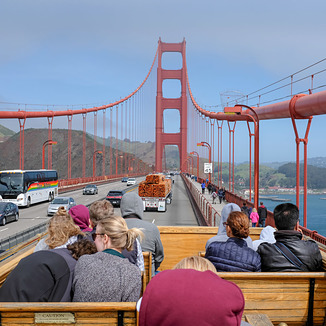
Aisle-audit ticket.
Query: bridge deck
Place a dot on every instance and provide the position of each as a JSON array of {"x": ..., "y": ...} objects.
[{"x": 179, "y": 212}]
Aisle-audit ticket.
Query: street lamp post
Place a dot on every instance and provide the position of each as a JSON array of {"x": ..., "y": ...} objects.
[
  {"x": 237, "y": 109},
  {"x": 94, "y": 163},
  {"x": 129, "y": 167},
  {"x": 192, "y": 164},
  {"x": 195, "y": 153},
  {"x": 205, "y": 144},
  {"x": 46, "y": 143}
]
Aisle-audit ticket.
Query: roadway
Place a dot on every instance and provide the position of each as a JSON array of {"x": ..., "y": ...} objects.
[{"x": 179, "y": 212}]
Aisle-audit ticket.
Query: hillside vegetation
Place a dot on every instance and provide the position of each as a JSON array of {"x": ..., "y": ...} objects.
[
  {"x": 273, "y": 174},
  {"x": 284, "y": 176},
  {"x": 34, "y": 139},
  {"x": 5, "y": 133}
]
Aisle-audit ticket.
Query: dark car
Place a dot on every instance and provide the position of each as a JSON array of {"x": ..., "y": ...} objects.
[
  {"x": 124, "y": 179},
  {"x": 8, "y": 212},
  {"x": 90, "y": 190},
  {"x": 114, "y": 197}
]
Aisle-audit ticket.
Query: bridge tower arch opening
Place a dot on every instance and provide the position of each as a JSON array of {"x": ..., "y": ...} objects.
[{"x": 163, "y": 103}]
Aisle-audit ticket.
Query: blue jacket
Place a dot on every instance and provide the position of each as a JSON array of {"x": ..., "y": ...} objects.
[{"x": 233, "y": 256}]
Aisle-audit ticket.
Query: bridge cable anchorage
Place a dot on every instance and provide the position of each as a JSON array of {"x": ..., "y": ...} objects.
[{"x": 298, "y": 140}]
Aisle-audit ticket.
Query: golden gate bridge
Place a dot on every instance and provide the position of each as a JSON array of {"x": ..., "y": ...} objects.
[{"x": 298, "y": 97}]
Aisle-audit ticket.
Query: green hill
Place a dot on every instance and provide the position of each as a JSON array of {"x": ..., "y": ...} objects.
[{"x": 5, "y": 133}]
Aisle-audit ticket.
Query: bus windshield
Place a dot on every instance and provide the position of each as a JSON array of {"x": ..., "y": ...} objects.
[{"x": 11, "y": 183}]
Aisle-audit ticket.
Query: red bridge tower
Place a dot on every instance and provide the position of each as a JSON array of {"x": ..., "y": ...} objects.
[{"x": 180, "y": 138}]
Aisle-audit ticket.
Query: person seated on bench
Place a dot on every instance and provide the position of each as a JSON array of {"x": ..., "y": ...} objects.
[
  {"x": 234, "y": 255},
  {"x": 195, "y": 262},
  {"x": 107, "y": 276},
  {"x": 221, "y": 233},
  {"x": 132, "y": 211},
  {"x": 266, "y": 235},
  {"x": 289, "y": 253},
  {"x": 80, "y": 215},
  {"x": 189, "y": 297},
  {"x": 102, "y": 209},
  {"x": 62, "y": 231},
  {"x": 45, "y": 275}
]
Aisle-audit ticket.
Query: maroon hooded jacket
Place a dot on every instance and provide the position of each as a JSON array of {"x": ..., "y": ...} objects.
[
  {"x": 80, "y": 215},
  {"x": 186, "y": 297}
]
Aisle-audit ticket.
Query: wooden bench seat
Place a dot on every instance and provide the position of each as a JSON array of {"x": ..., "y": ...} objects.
[
  {"x": 258, "y": 320},
  {"x": 66, "y": 313},
  {"x": 294, "y": 298}
]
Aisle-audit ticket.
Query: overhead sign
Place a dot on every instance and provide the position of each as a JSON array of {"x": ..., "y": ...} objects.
[{"x": 208, "y": 168}]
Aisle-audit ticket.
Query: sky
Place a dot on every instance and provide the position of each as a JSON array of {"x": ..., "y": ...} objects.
[{"x": 82, "y": 53}]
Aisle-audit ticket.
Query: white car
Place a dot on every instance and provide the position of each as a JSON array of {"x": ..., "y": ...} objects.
[
  {"x": 66, "y": 202},
  {"x": 131, "y": 181}
]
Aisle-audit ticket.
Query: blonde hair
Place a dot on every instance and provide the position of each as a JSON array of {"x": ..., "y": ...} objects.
[
  {"x": 254, "y": 210},
  {"x": 61, "y": 228},
  {"x": 116, "y": 228},
  {"x": 195, "y": 262}
]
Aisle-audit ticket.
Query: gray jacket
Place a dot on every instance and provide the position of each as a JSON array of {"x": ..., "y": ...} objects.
[
  {"x": 103, "y": 277},
  {"x": 131, "y": 207}
]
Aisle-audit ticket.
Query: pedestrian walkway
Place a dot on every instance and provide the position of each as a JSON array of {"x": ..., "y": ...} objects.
[{"x": 217, "y": 206}]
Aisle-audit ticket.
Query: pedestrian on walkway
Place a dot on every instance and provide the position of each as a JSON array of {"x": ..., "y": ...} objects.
[
  {"x": 203, "y": 186},
  {"x": 214, "y": 195},
  {"x": 209, "y": 188},
  {"x": 220, "y": 195},
  {"x": 262, "y": 212},
  {"x": 254, "y": 217}
]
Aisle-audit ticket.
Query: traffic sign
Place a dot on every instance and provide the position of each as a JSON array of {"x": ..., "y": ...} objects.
[{"x": 208, "y": 167}]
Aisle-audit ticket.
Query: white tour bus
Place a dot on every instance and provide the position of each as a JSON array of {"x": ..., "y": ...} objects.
[{"x": 26, "y": 187}]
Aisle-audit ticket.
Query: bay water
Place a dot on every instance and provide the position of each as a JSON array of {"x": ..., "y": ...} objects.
[{"x": 316, "y": 209}]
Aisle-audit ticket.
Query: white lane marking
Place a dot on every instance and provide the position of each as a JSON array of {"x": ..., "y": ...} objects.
[
  {"x": 153, "y": 221},
  {"x": 3, "y": 229}
]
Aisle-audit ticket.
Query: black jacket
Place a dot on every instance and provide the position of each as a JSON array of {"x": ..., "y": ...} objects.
[
  {"x": 262, "y": 212},
  {"x": 306, "y": 250},
  {"x": 43, "y": 276}
]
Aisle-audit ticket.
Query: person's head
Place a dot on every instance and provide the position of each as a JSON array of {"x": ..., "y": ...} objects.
[
  {"x": 286, "y": 216},
  {"x": 99, "y": 210},
  {"x": 237, "y": 225},
  {"x": 254, "y": 210},
  {"x": 188, "y": 297},
  {"x": 80, "y": 215},
  {"x": 82, "y": 247},
  {"x": 244, "y": 204},
  {"x": 61, "y": 228},
  {"x": 131, "y": 204},
  {"x": 261, "y": 203},
  {"x": 113, "y": 233},
  {"x": 226, "y": 210},
  {"x": 266, "y": 235},
  {"x": 195, "y": 262}
]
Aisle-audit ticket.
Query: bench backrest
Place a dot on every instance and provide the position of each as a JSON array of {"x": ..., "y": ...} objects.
[
  {"x": 294, "y": 298},
  {"x": 75, "y": 313},
  {"x": 180, "y": 242},
  {"x": 147, "y": 275}
]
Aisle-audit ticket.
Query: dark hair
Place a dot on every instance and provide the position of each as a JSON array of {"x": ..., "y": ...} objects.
[
  {"x": 239, "y": 224},
  {"x": 99, "y": 210},
  {"x": 286, "y": 216},
  {"x": 82, "y": 247},
  {"x": 261, "y": 203}
]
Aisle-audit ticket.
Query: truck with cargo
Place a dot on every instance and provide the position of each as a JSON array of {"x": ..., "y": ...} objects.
[{"x": 155, "y": 192}]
